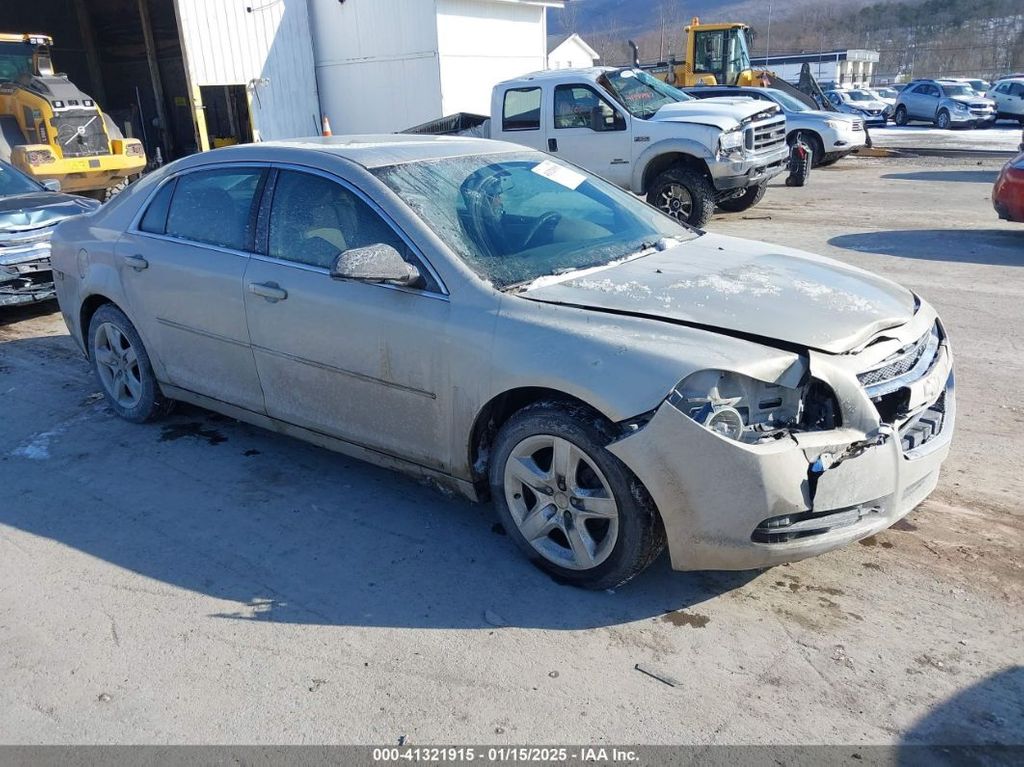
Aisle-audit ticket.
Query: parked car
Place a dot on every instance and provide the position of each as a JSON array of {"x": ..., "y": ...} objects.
[
  {"x": 1008, "y": 192},
  {"x": 947, "y": 105},
  {"x": 861, "y": 103},
  {"x": 1008, "y": 96},
  {"x": 29, "y": 212},
  {"x": 512, "y": 326},
  {"x": 829, "y": 135},
  {"x": 887, "y": 95},
  {"x": 684, "y": 155}
]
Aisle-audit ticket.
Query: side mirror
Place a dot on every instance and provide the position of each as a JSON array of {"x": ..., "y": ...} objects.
[
  {"x": 374, "y": 263},
  {"x": 51, "y": 185}
]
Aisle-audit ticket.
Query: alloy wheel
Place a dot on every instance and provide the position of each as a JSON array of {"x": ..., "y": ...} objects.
[
  {"x": 675, "y": 199},
  {"x": 561, "y": 502},
  {"x": 117, "y": 363}
]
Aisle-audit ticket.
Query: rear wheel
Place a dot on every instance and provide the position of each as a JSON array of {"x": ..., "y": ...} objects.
[
  {"x": 122, "y": 367},
  {"x": 751, "y": 196},
  {"x": 573, "y": 508},
  {"x": 683, "y": 193},
  {"x": 901, "y": 117}
]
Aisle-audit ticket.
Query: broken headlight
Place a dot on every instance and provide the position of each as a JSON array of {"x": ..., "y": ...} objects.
[{"x": 744, "y": 409}]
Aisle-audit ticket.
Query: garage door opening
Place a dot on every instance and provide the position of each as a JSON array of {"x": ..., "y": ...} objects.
[{"x": 228, "y": 119}]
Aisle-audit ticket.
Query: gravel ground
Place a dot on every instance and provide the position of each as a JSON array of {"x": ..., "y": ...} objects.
[{"x": 199, "y": 580}]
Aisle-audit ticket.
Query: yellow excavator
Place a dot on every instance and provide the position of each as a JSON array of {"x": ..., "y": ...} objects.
[
  {"x": 51, "y": 130},
  {"x": 719, "y": 54}
]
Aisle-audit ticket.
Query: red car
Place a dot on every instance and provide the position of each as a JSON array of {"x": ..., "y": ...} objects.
[{"x": 1008, "y": 193}]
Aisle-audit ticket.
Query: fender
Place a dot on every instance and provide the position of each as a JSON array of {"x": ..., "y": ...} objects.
[{"x": 685, "y": 146}]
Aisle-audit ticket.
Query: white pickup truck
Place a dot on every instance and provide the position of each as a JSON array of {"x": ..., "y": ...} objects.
[{"x": 686, "y": 155}]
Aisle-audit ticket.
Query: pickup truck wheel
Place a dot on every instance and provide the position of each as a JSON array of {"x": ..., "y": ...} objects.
[
  {"x": 571, "y": 506},
  {"x": 122, "y": 367},
  {"x": 901, "y": 118},
  {"x": 683, "y": 193},
  {"x": 751, "y": 196}
]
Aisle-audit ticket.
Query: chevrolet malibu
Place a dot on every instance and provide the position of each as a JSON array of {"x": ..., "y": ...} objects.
[{"x": 507, "y": 325}]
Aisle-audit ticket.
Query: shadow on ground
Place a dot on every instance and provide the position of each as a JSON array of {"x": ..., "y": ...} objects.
[
  {"x": 995, "y": 247},
  {"x": 943, "y": 176},
  {"x": 284, "y": 531},
  {"x": 987, "y": 713}
]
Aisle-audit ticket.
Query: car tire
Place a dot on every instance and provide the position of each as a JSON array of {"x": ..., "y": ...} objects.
[
  {"x": 546, "y": 513},
  {"x": 751, "y": 196},
  {"x": 683, "y": 193},
  {"x": 122, "y": 367},
  {"x": 942, "y": 121},
  {"x": 901, "y": 117}
]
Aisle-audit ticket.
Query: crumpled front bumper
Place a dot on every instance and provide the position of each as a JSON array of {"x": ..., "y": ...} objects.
[
  {"x": 25, "y": 273},
  {"x": 727, "y": 505}
]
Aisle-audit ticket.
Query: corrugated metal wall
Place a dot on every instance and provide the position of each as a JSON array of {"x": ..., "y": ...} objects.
[
  {"x": 376, "y": 63},
  {"x": 268, "y": 48},
  {"x": 483, "y": 42}
]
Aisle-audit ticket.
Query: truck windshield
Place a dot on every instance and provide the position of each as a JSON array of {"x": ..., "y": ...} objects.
[
  {"x": 15, "y": 60},
  {"x": 640, "y": 93},
  {"x": 518, "y": 216}
]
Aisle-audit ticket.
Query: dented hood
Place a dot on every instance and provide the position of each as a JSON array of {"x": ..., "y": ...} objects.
[
  {"x": 36, "y": 210},
  {"x": 724, "y": 113},
  {"x": 765, "y": 292}
]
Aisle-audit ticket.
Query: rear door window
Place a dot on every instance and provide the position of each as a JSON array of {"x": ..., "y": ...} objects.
[
  {"x": 521, "y": 109},
  {"x": 215, "y": 207}
]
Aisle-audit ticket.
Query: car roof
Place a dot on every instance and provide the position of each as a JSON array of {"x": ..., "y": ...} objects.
[
  {"x": 559, "y": 74},
  {"x": 369, "y": 150}
]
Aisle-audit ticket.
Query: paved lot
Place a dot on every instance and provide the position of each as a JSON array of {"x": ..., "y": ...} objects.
[{"x": 199, "y": 580}]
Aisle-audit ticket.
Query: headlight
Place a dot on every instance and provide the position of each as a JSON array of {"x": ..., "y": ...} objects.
[
  {"x": 959, "y": 106},
  {"x": 40, "y": 157},
  {"x": 135, "y": 149},
  {"x": 737, "y": 407},
  {"x": 838, "y": 124},
  {"x": 731, "y": 140}
]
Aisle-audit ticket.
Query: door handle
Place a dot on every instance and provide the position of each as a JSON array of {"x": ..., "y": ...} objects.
[
  {"x": 268, "y": 290},
  {"x": 552, "y": 145},
  {"x": 138, "y": 263}
]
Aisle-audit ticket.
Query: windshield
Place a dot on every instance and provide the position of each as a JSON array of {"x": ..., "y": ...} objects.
[
  {"x": 887, "y": 93},
  {"x": 792, "y": 103},
  {"x": 957, "y": 89},
  {"x": 518, "y": 216},
  {"x": 15, "y": 60},
  {"x": 640, "y": 93},
  {"x": 861, "y": 96},
  {"x": 13, "y": 182}
]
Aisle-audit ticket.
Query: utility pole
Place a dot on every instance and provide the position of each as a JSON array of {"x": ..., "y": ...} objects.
[{"x": 768, "y": 37}]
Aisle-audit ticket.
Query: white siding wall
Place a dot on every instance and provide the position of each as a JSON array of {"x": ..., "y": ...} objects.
[
  {"x": 569, "y": 55},
  {"x": 376, "y": 63},
  {"x": 225, "y": 45},
  {"x": 481, "y": 43}
]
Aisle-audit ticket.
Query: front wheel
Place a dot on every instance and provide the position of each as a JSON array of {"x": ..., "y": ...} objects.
[
  {"x": 751, "y": 196},
  {"x": 683, "y": 193},
  {"x": 573, "y": 508},
  {"x": 122, "y": 367},
  {"x": 942, "y": 121},
  {"x": 901, "y": 117}
]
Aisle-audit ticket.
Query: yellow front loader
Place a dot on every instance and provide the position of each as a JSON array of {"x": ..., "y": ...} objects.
[{"x": 51, "y": 130}]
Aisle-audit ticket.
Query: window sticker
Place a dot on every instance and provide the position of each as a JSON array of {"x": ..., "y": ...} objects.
[{"x": 570, "y": 179}]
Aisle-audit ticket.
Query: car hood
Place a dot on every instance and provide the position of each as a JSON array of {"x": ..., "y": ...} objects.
[
  {"x": 36, "y": 210},
  {"x": 724, "y": 113},
  {"x": 763, "y": 292},
  {"x": 869, "y": 105},
  {"x": 973, "y": 100}
]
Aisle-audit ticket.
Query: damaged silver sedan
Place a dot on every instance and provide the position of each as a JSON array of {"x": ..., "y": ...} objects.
[{"x": 507, "y": 325}]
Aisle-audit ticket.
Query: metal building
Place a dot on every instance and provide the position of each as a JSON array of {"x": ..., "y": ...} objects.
[
  {"x": 852, "y": 68},
  {"x": 384, "y": 65}
]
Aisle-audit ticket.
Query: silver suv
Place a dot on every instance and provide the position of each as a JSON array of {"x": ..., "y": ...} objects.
[{"x": 947, "y": 104}]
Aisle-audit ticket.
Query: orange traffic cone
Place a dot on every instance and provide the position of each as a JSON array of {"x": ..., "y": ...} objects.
[{"x": 327, "y": 127}]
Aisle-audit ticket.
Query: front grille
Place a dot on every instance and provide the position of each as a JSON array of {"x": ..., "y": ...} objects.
[
  {"x": 914, "y": 358},
  {"x": 924, "y": 427},
  {"x": 80, "y": 135},
  {"x": 767, "y": 135}
]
